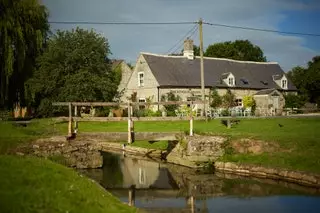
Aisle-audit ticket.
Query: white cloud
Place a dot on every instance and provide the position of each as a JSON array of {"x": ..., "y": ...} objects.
[{"x": 127, "y": 41}]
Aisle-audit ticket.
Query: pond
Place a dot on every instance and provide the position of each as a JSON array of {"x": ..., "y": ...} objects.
[{"x": 158, "y": 187}]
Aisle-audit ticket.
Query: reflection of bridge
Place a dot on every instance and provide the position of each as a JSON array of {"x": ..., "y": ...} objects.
[{"x": 147, "y": 180}]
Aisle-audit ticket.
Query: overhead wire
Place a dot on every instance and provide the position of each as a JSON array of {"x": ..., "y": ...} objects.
[
  {"x": 182, "y": 39},
  {"x": 261, "y": 29},
  {"x": 190, "y": 36},
  {"x": 187, "y": 23},
  {"x": 123, "y": 23}
]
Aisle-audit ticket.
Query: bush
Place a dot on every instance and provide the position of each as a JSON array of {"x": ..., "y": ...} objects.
[
  {"x": 170, "y": 108},
  {"x": 225, "y": 112},
  {"x": 294, "y": 101},
  {"x": 102, "y": 112}
]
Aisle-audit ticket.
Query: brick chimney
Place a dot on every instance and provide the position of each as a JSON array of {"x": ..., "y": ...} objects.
[{"x": 188, "y": 49}]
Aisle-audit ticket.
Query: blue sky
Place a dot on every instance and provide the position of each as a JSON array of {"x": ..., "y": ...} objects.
[{"x": 127, "y": 42}]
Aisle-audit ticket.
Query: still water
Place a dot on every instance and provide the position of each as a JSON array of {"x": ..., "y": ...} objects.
[{"x": 169, "y": 188}]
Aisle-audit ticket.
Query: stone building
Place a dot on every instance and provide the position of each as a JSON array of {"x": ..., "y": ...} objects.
[
  {"x": 126, "y": 72},
  {"x": 155, "y": 75}
]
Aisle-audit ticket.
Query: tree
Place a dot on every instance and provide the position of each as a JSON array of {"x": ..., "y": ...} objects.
[
  {"x": 238, "y": 50},
  {"x": 172, "y": 107},
  {"x": 307, "y": 80},
  {"x": 216, "y": 99},
  {"x": 74, "y": 67},
  {"x": 228, "y": 99},
  {"x": 294, "y": 101},
  {"x": 23, "y": 30}
]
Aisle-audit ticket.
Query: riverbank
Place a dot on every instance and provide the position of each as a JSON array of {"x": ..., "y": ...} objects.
[
  {"x": 31, "y": 184},
  {"x": 284, "y": 144}
]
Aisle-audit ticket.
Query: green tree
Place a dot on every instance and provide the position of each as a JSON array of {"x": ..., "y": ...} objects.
[
  {"x": 23, "y": 30},
  {"x": 172, "y": 107},
  {"x": 216, "y": 99},
  {"x": 307, "y": 80},
  {"x": 228, "y": 99},
  {"x": 74, "y": 67},
  {"x": 294, "y": 101},
  {"x": 238, "y": 50}
]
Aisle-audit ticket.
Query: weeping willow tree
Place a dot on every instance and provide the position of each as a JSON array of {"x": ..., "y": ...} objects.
[{"x": 23, "y": 30}]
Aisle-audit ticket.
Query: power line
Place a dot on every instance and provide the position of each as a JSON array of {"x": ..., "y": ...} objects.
[
  {"x": 186, "y": 23},
  {"x": 188, "y": 34},
  {"x": 261, "y": 30},
  {"x": 122, "y": 23}
]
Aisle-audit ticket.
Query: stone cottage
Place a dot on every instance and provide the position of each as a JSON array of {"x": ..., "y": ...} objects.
[
  {"x": 126, "y": 72},
  {"x": 155, "y": 75}
]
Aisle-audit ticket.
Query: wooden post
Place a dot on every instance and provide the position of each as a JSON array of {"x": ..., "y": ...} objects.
[
  {"x": 132, "y": 195},
  {"x": 129, "y": 124},
  {"x": 191, "y": 122},
  {"x": 75, "y": 122},
  {"x": 70, "y": 121}
]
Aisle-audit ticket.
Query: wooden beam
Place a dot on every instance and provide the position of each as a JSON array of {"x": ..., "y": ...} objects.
[{"x": 124, "y": 104}]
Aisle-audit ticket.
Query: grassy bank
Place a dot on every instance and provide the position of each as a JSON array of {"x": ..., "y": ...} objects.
[
  {"x": 38, "y": 185},
  {"x": 298, "y": 146},
  {"x": 12, "y": 134},
  {"x": 293, "y": 129},
  {"x": 297, "y": 139}
]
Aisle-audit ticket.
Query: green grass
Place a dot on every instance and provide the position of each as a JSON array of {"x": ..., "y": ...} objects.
[
  {"x": 11, "y": 135},
  {"x": 299, "y": 137},
  {"x": 38, "y": 185},
  {"x": 161, "y": 145},
  {"x": 294, "y": 130}
]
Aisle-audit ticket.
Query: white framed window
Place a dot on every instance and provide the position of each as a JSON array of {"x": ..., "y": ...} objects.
[
  {"x": 231, "y": 81},
  {"x": 284, "y": 84},
  {"x": 238, "y": 102},
  {"x": 140, "y": 79},
  {"x": 142, "y": 100}
]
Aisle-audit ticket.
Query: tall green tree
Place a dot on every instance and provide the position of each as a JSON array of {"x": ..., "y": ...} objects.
[
  {"x": 238, "y": 50},
  {"x": 74, "y": 67},
  {"x": 307, "y": 80},
  {"x": 23, "y": 30}
]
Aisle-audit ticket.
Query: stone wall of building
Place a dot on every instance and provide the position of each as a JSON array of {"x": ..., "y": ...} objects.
[
  {"x": 126, "y": 73},
  {"x": 150, "y": 87}
]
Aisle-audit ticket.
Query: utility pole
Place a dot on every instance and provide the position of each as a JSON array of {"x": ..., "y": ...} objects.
[{"x": 202, "y": 68}]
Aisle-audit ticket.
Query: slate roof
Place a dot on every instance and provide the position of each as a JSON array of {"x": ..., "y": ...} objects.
[
  {"x": 178, "y": 71},
  {"x": 115, "y": 63},
  {"x": 265, "y": 91}
]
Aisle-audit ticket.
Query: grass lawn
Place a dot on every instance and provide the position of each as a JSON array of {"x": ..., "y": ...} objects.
[
  {"x": 161, "y": 145},
  {"x": 37, "y": 185},
  {"x": 11, "y": 135},
  {"x": 299, "y": 135}
]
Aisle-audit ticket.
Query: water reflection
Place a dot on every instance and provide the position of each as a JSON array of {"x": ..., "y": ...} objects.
[{"x": 158, "y": 187}]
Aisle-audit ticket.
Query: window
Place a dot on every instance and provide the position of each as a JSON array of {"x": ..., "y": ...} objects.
[
  {"x": 142, "y": 100},
  {"x": 231, "y": 81},
  {"x": 238, "y": 102},
  {"x": 284, "y": 84},
  {"x": 141, "y": 79}
]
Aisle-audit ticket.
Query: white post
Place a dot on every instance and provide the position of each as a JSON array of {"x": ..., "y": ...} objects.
[
  {"x": 75, "y": 121},
  {"x": 191, "y": 121}
]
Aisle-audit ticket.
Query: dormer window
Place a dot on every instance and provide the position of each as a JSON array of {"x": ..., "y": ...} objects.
[
  {"x": 231, "y": 81},
  {"x": 228, "y": 79},
  {"x": 140, "y": 79},
  {"x": 284, "y": 84}
]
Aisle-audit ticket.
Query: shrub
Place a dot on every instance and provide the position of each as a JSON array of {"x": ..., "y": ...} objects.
[
  {"x": 216, "y": 98},
  {"x": 102, "y": 111},
  {"x": 171, "y": 108},
  {"x": 225, "y": 112}
]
